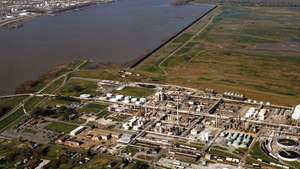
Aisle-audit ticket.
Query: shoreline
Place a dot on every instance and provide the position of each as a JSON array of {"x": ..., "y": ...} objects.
[
  {"x": 139, "y": 60},
  {"x": 22, "y": 19}
]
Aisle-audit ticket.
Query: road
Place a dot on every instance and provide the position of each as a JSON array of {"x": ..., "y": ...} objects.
[
  {"x": 38, "y": 93},
  {"x": 150, "y": 124},
  {"x": 203, "y": 114},
  {"x": 182, "y": 46}
]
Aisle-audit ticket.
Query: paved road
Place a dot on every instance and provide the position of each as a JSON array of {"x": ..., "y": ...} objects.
[
  {"x": 38, "y": 93},
  {"x": 164, "y": 108},
  {"x": 182, "y": 46}
]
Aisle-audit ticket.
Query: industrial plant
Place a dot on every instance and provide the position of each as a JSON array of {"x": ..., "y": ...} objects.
[{"x": 178, "y": 127}]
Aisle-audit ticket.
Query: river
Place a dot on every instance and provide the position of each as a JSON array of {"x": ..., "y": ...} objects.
[{"x": 109, "y": 33}]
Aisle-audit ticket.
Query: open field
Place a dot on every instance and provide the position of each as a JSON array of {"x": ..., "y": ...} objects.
[
  {"x": 61, "y": 127},
  {"x": 75, "y": 87},
  {"x": 135, "y": 92},
  {"x": 11, "y": 102},
  {"x": 252, "y": 50},
  {"x": 11, "y": 118},
  {"x": 93, "y": 107},
  {"x": 258, "y": 153}
]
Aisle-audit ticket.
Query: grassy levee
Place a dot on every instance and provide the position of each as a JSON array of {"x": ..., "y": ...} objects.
[
  {"x": 52, "y": 88},
  {"x": 252, "y": 50},
  {"x": 7, "y": 121},
  {"x": 30, "y": 102},
  {"x": 11, "y": 101}
]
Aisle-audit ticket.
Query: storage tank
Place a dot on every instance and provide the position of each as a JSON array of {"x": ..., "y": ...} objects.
[{"x": 296, "y": 114}]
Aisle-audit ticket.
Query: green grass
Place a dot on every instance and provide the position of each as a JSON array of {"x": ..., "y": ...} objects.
[
  {"x": 75, "y": 87},
  {"x": 60, "y": 127},
  {"x": 98, "y": 108},
  {"x": 100, "y": 161},
  {"x": 54, "y": 151},
  {"x": 222, "y": 153},
  {"x": 119, "y": 118},
  {"x": 11, "y": 118},
  {"x": 183, "y": 37},
  {"x": 238, "y": 51},
  {"x": 138, "y": 165},
  {"x": 7, "y": 146},
  {"x": 294, "y": 164},
  {"x": 54, "y": 86},
  {"x": 53, "y": 73},
  {"x": 282, "y": 92},
  {"x": 241, "y": 151},
  {"x": 12, "y": 101},
  {"x": 131, "y": 149},
  {"x": 257, "y": 152},
  {"x": 250, "y": 161},
  {"x": 32, "y": 103},
  {"x": 14, "y": 151},
  {"x": 98, "y": 74},
  {"x": 62, "y": 101},
  {"x": 93, "y": 107},
  {"x": 220, "y": 148},
  {"x": 103, "y": 114},
  {"x": 135, "y": 92}
]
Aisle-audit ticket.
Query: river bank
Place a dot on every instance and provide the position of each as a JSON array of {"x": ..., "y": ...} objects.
[{"x": 90, "y": 33}]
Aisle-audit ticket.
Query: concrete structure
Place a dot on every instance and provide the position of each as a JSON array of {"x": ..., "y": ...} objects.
[
  {"x": 77, "y": 130},
  {"x": 296, "y": 114},
  {"x": 126, "y": 138},
  {"x": 84, "y": 96}
]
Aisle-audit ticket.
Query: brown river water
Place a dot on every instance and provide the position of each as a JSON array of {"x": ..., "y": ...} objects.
[{"x": 109, "y": 33}]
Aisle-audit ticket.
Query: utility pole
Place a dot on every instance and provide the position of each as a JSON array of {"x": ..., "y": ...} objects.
[{"x": 177, "y": 110}]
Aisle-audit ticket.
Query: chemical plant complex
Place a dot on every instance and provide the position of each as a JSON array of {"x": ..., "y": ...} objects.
[
  {"x": 219, "y": 92},
  {"x": 169, "y": 126},
  {"x": 13, "y": 13}
]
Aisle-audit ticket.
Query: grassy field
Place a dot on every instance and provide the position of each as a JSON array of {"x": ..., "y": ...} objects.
[
  {"x": 11, "y": 102},
  {"x": 252, "y": 50},
  {"x": 32, "y": 103},
  {"x": 135, "y": 92},
  {"x": 52, "y": 88},
  {"x": 98, "y": 108},
  {"x": 75, "y": 87},
  {"x": 13, "y": 150},
  {"x": 223, "y": 153},
  {"x": 257, "y": 152},
  {"x": 93, "y": 107},
  {"x": 54, "y": 101},
  {"x": 11, "y": 118},
  {"x": 61, "y": 127}
]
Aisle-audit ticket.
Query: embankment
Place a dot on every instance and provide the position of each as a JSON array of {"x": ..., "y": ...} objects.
[{"x": 139, "y": 60}]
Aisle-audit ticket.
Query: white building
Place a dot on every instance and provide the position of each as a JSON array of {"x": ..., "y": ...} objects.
[
  {"x": 77, "y": 130},
  {"x": 84, "y": 96},
  {"x": 296, "y": 114}
]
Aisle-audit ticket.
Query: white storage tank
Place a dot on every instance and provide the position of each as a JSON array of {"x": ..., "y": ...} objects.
[
  {"x": 296, "y": 114},
  {"x": 134, "y": 99},
  {"x": 143, "y": 100},
  {"x": 108, "y": 95}
]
